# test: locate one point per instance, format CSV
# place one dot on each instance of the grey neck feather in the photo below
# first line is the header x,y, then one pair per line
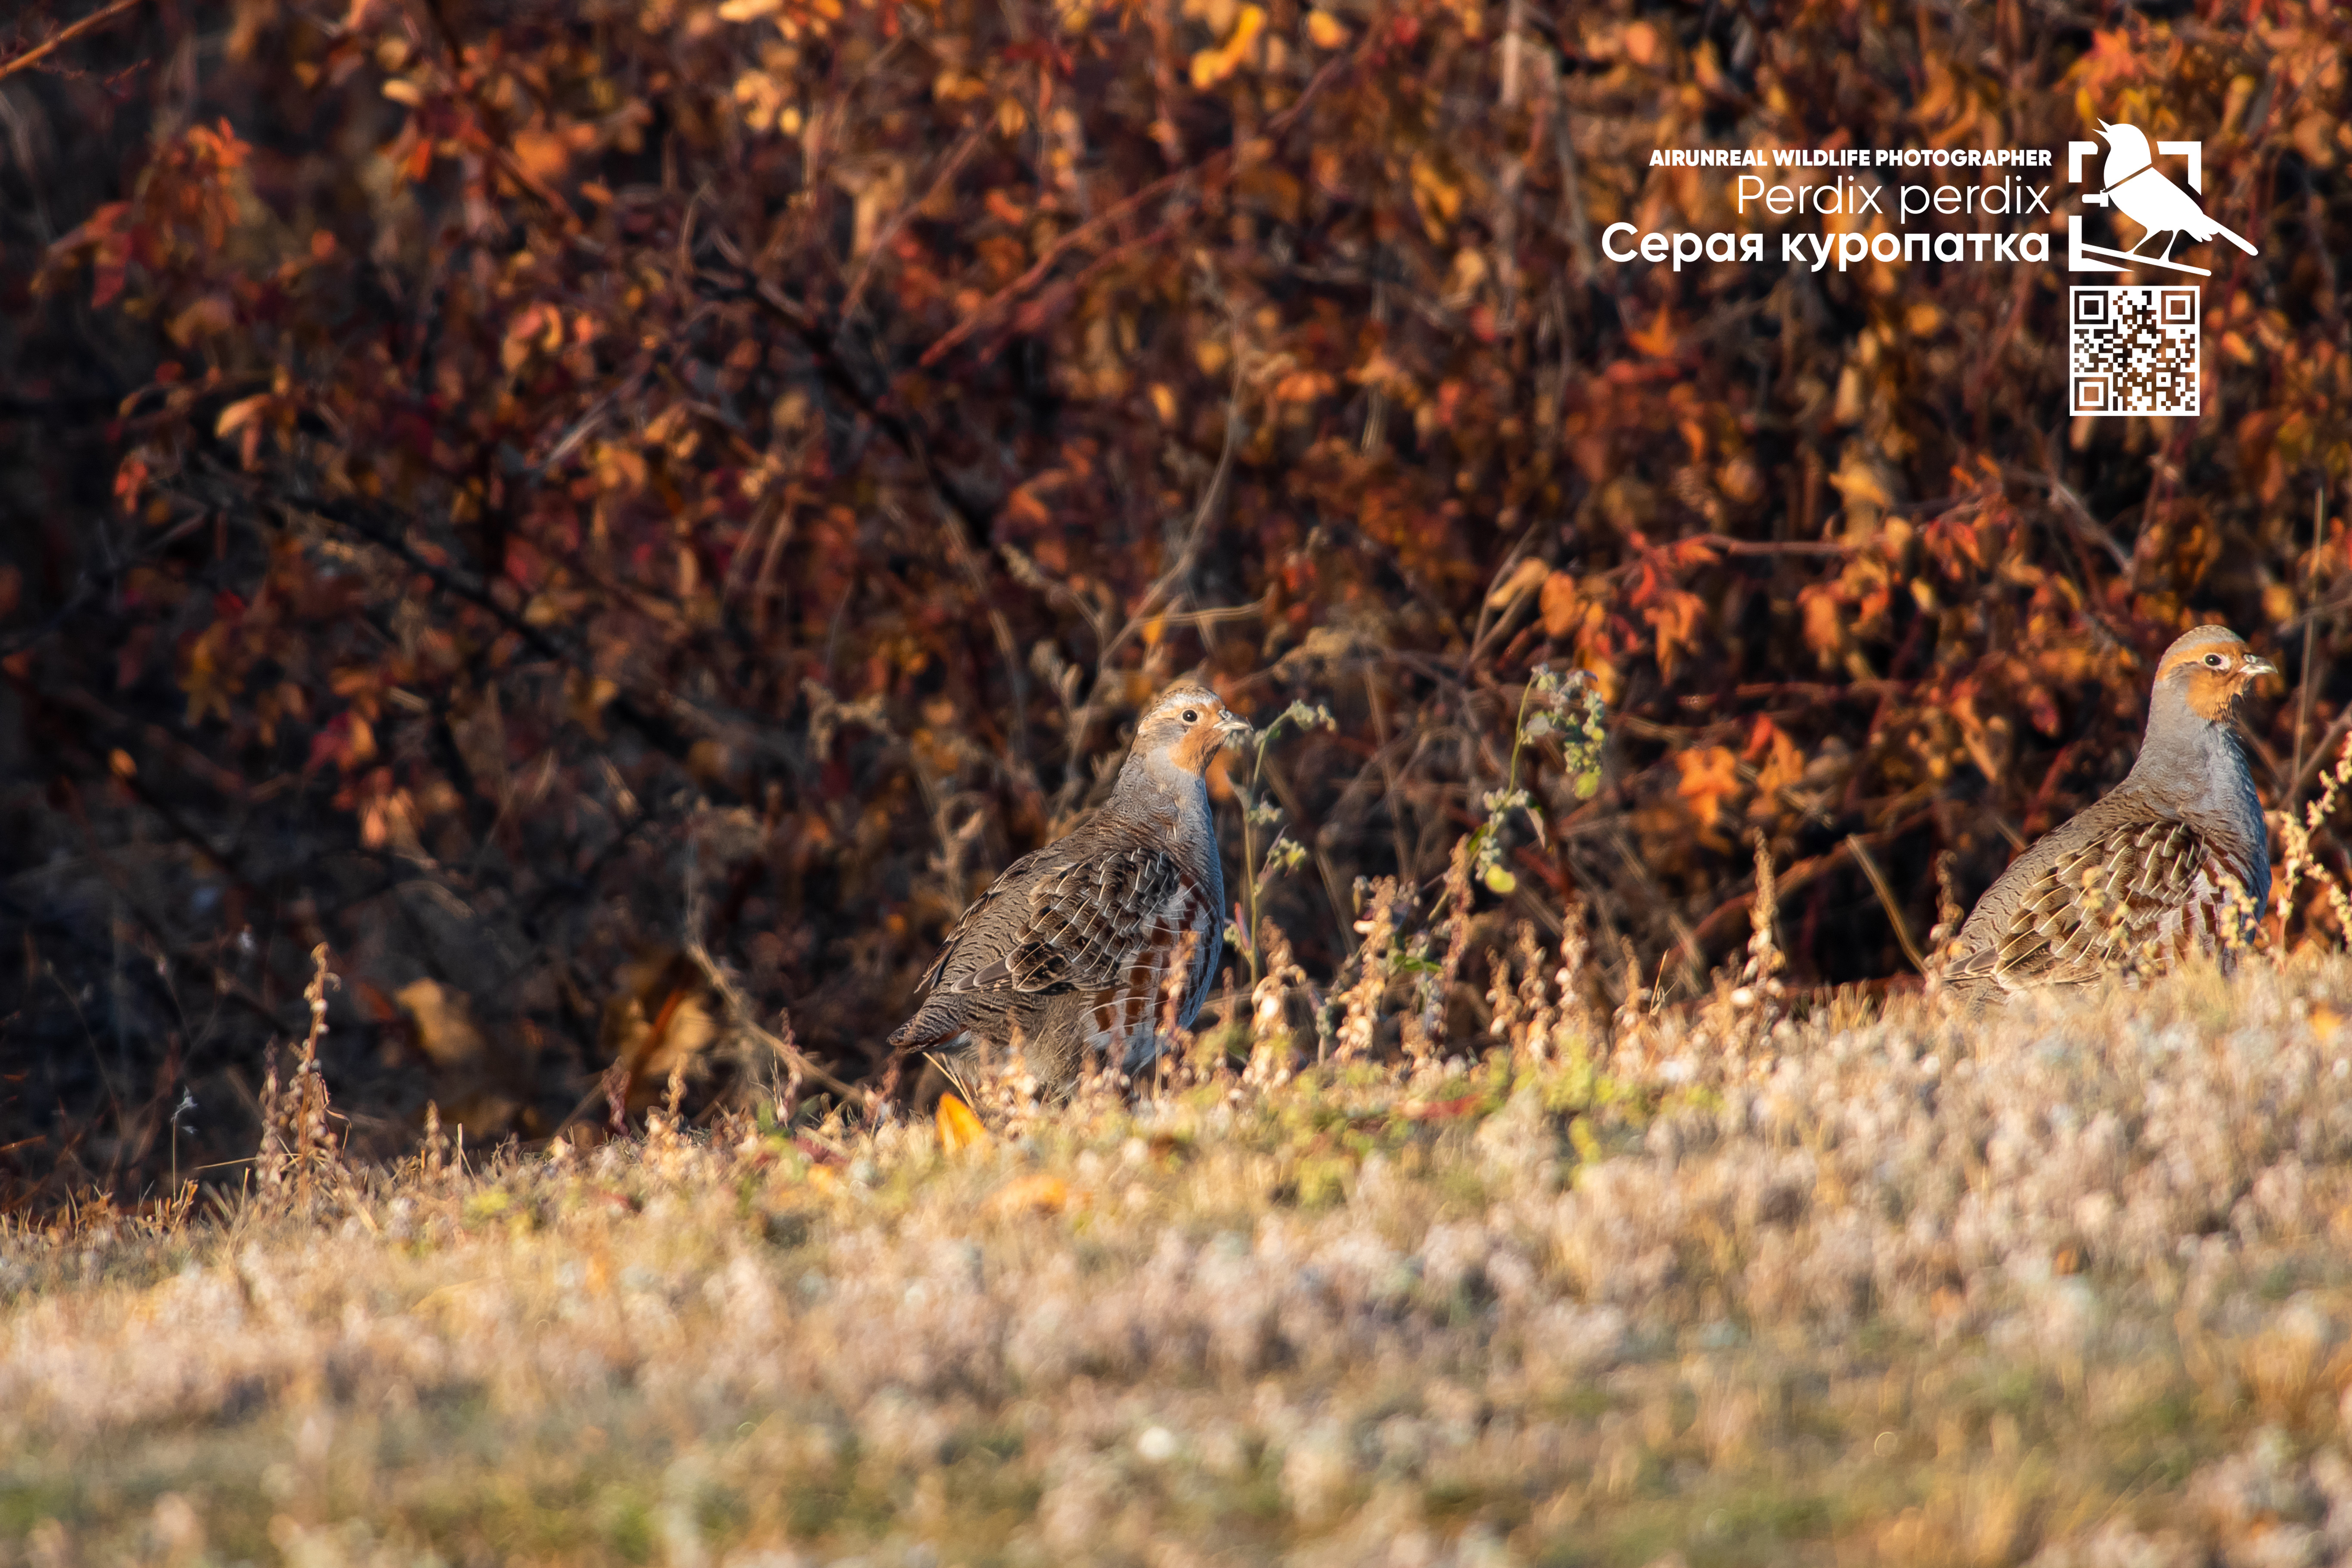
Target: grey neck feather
x,y
1149,776
2194,765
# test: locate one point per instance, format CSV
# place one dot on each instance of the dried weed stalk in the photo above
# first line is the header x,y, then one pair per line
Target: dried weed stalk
x,y
300,1152
2300,863
1375,959
1950,917
1271,1058
1759,988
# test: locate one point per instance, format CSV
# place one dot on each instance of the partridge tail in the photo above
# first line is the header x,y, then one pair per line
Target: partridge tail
x,y
936,1023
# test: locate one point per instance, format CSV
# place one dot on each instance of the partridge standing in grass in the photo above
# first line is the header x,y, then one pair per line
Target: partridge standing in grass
x,y
2176,858
1101,944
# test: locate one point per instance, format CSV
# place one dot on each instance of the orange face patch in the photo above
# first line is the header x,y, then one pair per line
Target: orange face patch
x,y
1202,741
2214,669
1190,746
2211,692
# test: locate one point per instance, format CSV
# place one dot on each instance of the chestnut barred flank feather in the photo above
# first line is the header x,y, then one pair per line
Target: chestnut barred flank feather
x,y
1099,946
2176,861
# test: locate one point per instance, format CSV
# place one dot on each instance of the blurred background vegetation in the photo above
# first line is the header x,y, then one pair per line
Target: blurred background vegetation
x,y
533,495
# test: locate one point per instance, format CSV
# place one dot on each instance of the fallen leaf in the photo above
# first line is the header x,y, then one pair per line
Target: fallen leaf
x,y
1035,1194
959,1127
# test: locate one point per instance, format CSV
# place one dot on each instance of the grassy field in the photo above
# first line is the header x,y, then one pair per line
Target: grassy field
x,y
2068,1285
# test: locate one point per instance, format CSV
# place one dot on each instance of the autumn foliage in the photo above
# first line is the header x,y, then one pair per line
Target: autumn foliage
x,y
617,517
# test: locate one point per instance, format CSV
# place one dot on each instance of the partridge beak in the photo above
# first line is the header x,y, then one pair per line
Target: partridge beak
x,y
1234,727
2256,665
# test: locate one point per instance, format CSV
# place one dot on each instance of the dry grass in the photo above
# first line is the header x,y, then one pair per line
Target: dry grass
x,y
2066,1284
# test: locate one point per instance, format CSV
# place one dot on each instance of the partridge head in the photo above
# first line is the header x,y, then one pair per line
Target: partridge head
x,y
1183,730
2208,668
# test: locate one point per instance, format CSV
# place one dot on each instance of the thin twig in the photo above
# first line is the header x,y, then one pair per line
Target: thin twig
x,y
2310,626
90,23
1730,546
1869,864
2322,752
1797,876
1571,179
1211,504
738,1016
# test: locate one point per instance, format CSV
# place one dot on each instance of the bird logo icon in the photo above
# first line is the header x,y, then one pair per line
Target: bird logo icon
x,y
2131,184
2136,187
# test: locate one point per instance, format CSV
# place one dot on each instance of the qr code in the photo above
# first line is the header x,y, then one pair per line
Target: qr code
x,y
2133,351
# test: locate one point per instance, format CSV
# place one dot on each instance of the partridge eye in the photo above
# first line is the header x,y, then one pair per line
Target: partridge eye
x,y
2213,660
1191,717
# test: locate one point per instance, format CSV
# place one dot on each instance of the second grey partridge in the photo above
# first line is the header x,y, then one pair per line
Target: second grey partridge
x,y
2175,859
1101,944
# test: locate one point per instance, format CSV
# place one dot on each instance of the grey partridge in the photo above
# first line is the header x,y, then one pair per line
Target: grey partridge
x,y
1101,944
2175,859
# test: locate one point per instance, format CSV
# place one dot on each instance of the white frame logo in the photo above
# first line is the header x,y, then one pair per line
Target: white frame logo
x,y
2136,348
2133,184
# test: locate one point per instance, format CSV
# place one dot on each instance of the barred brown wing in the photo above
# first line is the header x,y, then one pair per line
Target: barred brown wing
x,y
2143,890
1085,923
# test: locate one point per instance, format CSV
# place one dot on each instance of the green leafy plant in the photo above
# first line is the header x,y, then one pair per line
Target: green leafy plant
x,y
1567,711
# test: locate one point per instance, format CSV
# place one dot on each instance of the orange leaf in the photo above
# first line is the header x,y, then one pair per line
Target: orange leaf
x,y
1825,620
1211,67
1563,611
1657,339
1675,617
1513,588
1707,776
1781,763
543,154
1023,508
958,1128
1303,386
